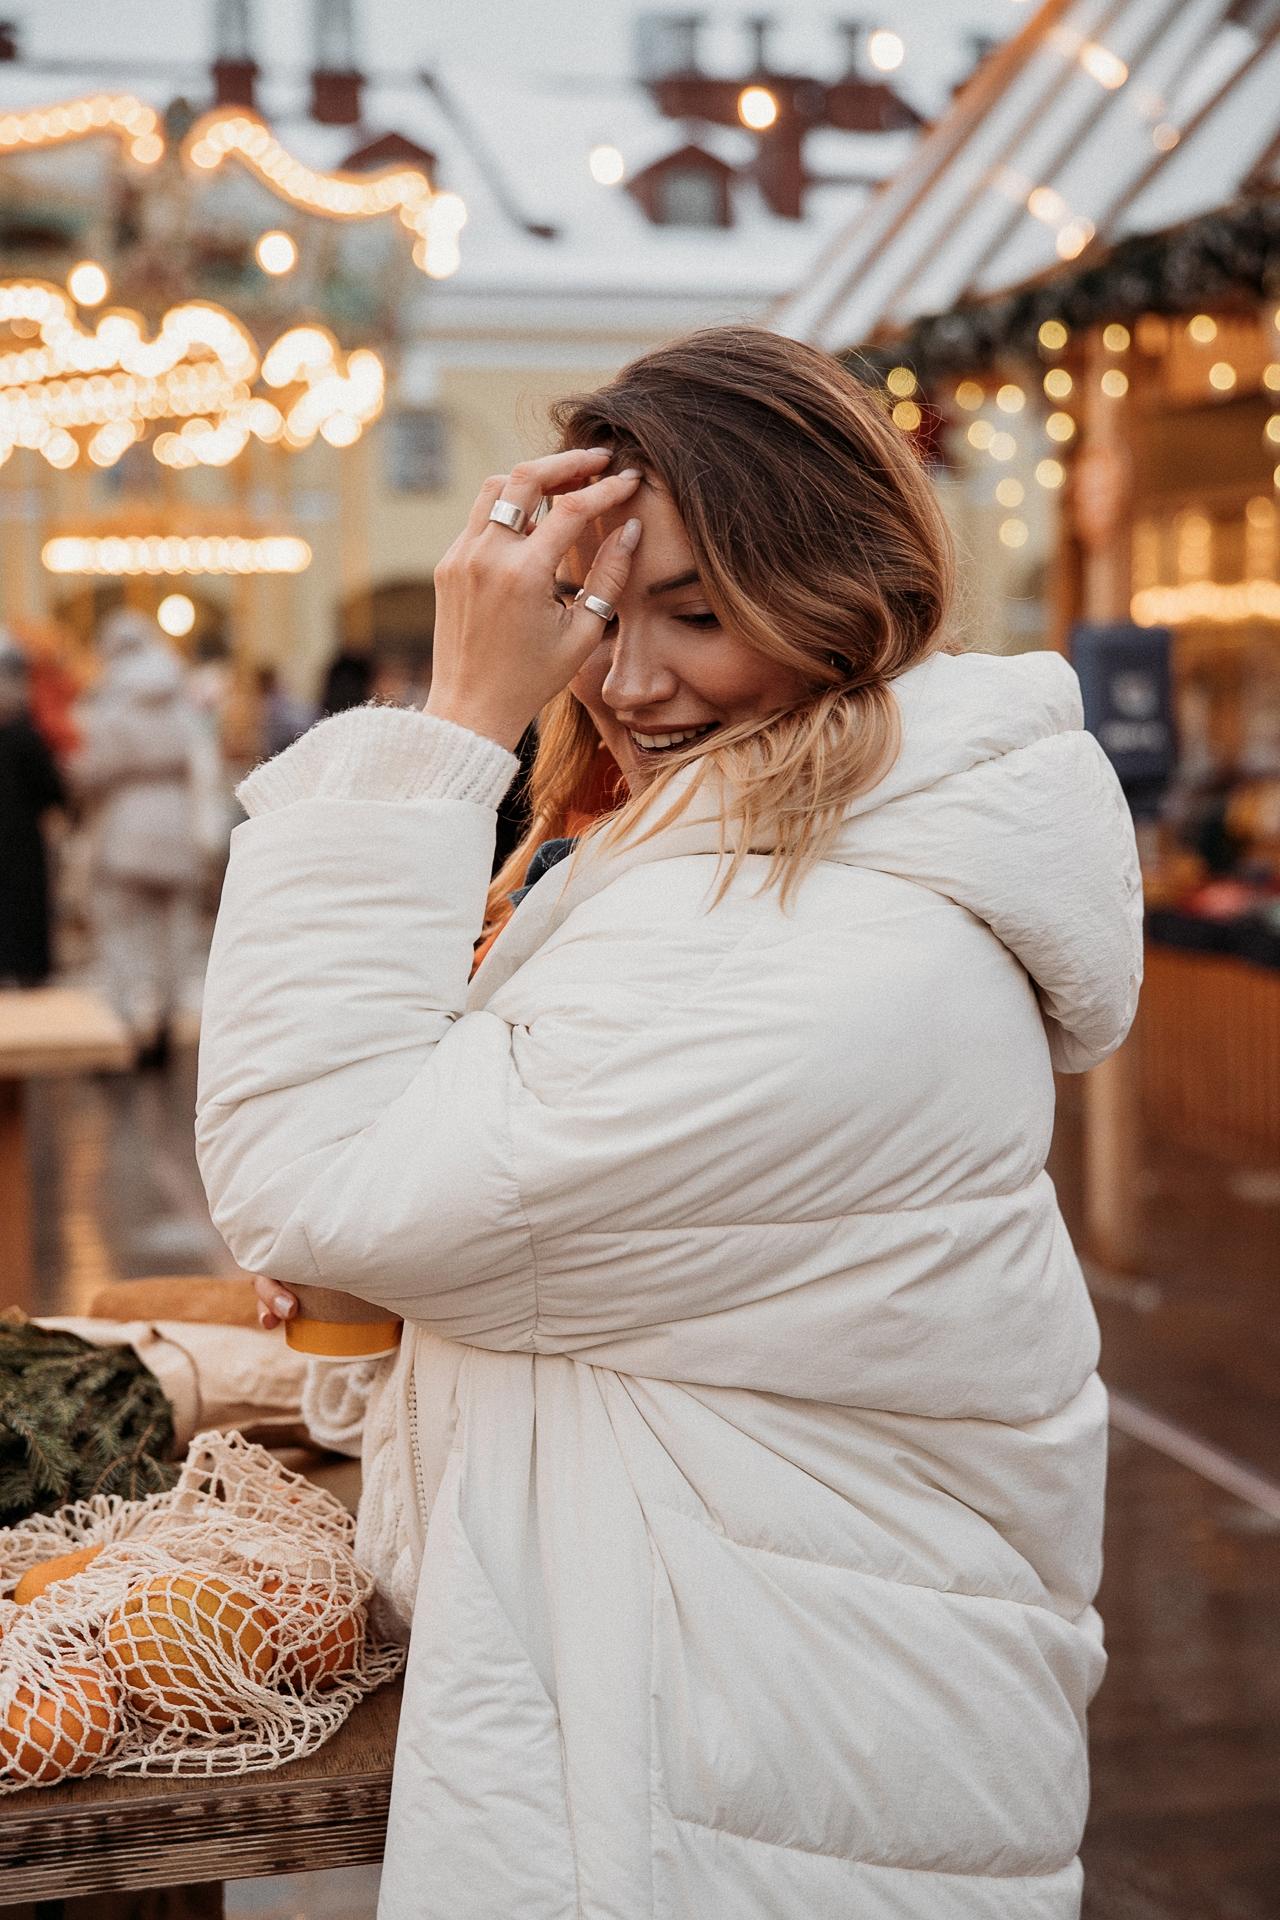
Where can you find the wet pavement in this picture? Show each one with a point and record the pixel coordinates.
(1185, 1822)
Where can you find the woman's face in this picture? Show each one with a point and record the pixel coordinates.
(665, 671)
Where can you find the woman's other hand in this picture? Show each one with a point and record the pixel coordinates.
(505, 643)
(275, 1303)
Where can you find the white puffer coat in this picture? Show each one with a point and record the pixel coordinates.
(746, 1430)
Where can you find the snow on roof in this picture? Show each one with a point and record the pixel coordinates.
(1098, 121)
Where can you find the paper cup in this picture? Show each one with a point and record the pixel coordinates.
(336, 1326)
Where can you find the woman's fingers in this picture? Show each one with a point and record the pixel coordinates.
(275, 1303)
(530, 480)
(606, 578)
(572, 513)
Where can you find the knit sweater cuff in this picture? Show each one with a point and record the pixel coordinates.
(382, 753)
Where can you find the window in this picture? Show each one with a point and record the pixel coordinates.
(690, 197)
(417, 450)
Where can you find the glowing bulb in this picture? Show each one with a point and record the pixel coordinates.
(981, 434)
(341, 429)
(969, 395)
(88, 284)
(907, 415)
(901, 382)
(1272, 428)
(1222, 375)
(1074, 238)
(1107, 68)
(1058, 383)
(1164, 137)
(1050, 473)
(1014, 532)
(1114, 383)
(886, 50)
(176, 615)
(1115, 338)
(1271, 376)
(1053, 336)
(1202, 328)
(276, 252)
(757, 108)
(1011, 399)
(1010, 493)
(607, 166)
(1003, 447)
(1060, 426)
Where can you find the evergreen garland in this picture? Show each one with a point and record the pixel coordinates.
(75, 1420)
(1228, 258)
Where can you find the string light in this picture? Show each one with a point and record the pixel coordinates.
(116, 554)
(1011, 398)
(1271, 376)
(901, 382)
(1074, 238)
(135, 124)
(1114, 383)
(1222, 376)
(981, 434)
(1107, 68)
(1116, 338)
(176, 615)
(757, 108)
(199, 369)
(1202, 328)
(1010, 493)
(1003, 447)
(1050, 474)
(1208, 602)
(88, 284)
(907, 415)
(1165, 137)
(969, 395)
(607, 166)
(1060, 426)
(1014, 532)
(1058, 383)
(1053, 336)
(404, 191)
(886, 50)
(276, 252)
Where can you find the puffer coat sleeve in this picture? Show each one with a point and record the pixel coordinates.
(356, 1128)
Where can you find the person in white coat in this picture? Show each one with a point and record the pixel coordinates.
(136, 770)
(739, 1478)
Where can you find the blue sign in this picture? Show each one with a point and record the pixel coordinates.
(1126, 678)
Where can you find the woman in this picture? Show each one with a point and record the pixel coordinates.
(742, 1466)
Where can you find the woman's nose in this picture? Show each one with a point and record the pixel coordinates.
(637, 677)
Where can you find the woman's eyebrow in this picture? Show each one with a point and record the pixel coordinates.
(689, 579)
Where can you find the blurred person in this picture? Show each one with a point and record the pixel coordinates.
(284, 715)
(138, 770)
(30, 789)
(741, 1467)
(348, 682)
(56, 684)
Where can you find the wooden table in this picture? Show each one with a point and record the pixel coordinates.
(119, 1847)
(43, 1030)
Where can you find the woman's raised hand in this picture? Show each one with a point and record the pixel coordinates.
(505, 643)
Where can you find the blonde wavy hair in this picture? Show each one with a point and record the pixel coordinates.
(818, 540)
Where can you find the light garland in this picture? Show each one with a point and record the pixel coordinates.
(136, 125)
(1213, 602)
(157, 553)
(110, 382)
(435, 219)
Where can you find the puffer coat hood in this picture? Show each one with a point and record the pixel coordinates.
(742, 1465)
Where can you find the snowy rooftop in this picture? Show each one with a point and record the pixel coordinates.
(1099, 120)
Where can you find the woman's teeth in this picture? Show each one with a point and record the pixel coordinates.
(652, 742)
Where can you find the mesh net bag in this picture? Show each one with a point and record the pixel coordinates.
(216, 1628)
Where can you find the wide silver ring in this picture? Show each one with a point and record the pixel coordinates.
(508, 514)
(602, 609)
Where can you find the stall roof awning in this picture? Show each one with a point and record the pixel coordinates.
(1101, 119)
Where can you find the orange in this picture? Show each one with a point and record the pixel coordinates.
(47, 1573)
(59, 1725)
(332, 1650)
(169, 1643)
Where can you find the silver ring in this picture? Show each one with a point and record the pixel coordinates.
(508, 514)
(602, 609)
